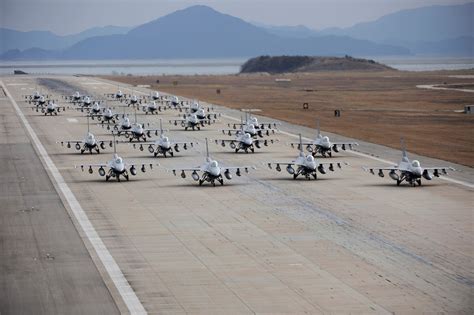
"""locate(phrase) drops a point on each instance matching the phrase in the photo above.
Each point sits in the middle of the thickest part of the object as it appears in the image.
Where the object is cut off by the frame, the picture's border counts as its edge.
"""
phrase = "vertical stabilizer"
(318, 128)
(115, 148)
(301, 144)
(404, 150)
(207, 150)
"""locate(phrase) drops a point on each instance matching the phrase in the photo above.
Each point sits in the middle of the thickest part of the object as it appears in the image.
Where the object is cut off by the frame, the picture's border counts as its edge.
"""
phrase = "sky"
(71, 16)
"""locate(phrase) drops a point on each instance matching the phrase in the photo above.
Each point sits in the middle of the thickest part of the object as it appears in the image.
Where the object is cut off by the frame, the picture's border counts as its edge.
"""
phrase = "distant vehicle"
(191, 121)
(49, 109)
(115, 168)
(151, 108)
(35, 97)
(75, 98)
(305, 165)
(260, 128)
(107, 116)
(409, 171)
(244, 141)
(118, 96)
(137, 131)
(323, 145)
(210, 171)
(164, 145)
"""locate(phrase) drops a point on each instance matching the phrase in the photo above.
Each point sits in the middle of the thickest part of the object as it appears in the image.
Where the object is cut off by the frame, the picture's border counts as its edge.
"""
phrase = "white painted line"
(16, 84)
(434, 87)
(72, 120)
(456, 181)
(126, 292)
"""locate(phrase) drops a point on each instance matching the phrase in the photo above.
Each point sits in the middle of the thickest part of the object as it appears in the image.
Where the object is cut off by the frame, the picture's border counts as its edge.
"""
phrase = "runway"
(263, 243)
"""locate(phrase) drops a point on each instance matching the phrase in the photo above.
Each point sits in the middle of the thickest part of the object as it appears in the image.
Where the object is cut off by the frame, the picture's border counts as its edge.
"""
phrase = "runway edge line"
(113, 270)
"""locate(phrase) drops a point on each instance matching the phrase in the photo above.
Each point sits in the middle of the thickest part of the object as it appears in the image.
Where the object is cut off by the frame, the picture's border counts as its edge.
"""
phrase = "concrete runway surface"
(349, 242)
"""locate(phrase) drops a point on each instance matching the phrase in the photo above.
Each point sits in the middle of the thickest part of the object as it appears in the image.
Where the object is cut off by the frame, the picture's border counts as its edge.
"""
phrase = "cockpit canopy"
(165, 139)
(325, 139)
(415, 163)
(247, 136)
(310, 159)
(118, 160)
(213, 164)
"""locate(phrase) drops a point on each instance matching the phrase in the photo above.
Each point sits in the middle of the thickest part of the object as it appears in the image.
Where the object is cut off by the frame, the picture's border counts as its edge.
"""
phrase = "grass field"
(378, 107)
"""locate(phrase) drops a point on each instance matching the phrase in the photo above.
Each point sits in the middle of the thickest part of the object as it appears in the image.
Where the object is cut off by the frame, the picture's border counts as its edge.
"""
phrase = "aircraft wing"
(380, 170)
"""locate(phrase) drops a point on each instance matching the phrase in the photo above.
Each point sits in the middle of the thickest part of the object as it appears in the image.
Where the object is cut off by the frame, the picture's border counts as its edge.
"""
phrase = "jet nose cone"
(418, 171)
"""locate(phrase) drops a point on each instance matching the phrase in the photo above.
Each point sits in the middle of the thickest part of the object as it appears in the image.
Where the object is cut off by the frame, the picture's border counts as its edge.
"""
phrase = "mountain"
(296, 31)
(11, 39)
(426, 24)
(201, 32)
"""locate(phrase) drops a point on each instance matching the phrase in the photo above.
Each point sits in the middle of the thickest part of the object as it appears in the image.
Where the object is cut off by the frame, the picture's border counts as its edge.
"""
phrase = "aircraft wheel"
(107, 177)
(330, 154)
(253, 150)
(294, 176)
(118, 178)
(398, 182)
(55, 113)
(221, 181)
(419, 182)
(155, 154)
(172, 153)
(200, 182)
(185, 128)
(126, 177)
(82, 151)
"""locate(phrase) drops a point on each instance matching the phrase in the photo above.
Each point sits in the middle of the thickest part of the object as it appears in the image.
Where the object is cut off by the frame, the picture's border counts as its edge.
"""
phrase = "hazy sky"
(71, 16)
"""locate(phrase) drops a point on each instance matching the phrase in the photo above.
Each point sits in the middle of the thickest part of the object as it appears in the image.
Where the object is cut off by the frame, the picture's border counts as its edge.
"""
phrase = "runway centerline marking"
(452, 180)
(72, 120)
(113, 270)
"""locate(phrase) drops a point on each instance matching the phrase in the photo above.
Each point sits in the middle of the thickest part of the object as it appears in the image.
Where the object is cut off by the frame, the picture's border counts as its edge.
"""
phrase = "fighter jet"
(89, 143)
(155, 96)
(151, 108)
(119, 95)
(305, 165)
(35, 96)
(324, 146)
(50, 108)
(138, 132)
(117, 167)
(164, 145)
(191, 121)
(244, 141)
(133, 100)
(252, 120)
(38, 101)
(123, 125)
(409, 171)
(211, 171)
(106, 117)
(96, 108)
(75, 98)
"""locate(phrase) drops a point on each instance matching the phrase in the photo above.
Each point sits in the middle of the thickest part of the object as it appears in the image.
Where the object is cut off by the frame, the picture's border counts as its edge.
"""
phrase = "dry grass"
(378, 107)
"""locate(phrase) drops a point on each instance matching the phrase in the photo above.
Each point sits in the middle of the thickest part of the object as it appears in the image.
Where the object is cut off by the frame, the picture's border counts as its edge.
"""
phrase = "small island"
(291, 64)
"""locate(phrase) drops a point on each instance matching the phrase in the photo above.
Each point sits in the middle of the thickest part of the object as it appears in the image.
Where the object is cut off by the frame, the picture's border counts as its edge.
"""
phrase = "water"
(135, 67)
(417, 63)
(202, 66)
